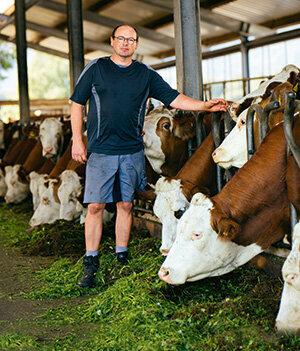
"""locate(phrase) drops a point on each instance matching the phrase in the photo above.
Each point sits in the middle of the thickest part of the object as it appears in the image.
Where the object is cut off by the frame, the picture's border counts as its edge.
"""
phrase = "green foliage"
(7, 57)
(48, 77)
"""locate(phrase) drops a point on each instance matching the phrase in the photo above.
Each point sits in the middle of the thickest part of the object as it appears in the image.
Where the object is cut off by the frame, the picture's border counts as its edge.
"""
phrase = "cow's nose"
(216, 155)
(48, 150)
(164, 251)
(164, 274)
(290, 278)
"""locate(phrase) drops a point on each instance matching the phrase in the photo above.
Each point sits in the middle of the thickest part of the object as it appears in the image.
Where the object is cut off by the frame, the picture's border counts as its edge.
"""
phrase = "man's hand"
(215, 105)
(79, 151)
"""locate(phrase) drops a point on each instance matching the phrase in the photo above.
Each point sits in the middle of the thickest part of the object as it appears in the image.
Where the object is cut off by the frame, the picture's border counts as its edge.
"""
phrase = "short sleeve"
(83, 87)
(161, 90)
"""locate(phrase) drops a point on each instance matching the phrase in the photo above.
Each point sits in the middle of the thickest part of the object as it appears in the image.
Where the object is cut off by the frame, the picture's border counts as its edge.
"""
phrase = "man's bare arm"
(184, 102)
(78, 148)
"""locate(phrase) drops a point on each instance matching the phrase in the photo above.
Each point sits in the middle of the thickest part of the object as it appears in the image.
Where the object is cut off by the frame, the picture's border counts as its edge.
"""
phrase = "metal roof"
(221, 20)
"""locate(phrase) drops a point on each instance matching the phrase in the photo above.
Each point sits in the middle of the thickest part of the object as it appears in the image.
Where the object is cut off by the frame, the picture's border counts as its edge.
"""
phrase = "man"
(117, 88)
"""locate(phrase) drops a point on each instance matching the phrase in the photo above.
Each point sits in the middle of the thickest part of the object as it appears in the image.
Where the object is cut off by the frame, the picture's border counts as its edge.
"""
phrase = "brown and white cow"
(2, 146)
(12, 162)
(288, 318)
(233, 150)
(51, 136)
(216, 235)
(17, 179)
(173, 194)
(165, 139)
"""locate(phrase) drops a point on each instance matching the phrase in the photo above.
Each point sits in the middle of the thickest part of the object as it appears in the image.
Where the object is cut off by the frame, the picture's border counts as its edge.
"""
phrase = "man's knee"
(124, 206)
(95, 208)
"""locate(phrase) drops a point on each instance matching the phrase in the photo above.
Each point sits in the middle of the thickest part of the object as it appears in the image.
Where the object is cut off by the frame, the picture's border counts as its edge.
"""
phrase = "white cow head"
(48, 209)
(37, 187)
(51, 136)
(198, 252)
(288, 319)
(233, 150)
(68, 192)
(169, 199)
(3, 187)
(17, 188)
(1, 135)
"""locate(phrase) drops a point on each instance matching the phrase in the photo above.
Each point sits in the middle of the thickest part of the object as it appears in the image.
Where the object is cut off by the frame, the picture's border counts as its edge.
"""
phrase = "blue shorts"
(114, 178)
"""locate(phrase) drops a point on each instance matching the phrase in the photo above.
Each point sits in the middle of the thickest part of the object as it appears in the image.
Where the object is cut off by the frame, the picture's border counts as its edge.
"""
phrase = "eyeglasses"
(122, 39)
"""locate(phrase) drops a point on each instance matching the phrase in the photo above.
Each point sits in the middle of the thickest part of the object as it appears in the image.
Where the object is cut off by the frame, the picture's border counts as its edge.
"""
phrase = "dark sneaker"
(122, 257)
(91, 266)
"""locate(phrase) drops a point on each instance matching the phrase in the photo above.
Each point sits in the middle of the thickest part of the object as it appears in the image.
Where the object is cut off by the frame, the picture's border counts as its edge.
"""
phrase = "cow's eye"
(166, 126)
(243, 122)
(196, 236)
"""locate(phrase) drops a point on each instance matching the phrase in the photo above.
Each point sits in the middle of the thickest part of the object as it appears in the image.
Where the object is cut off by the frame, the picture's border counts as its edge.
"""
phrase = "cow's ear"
(184, 128)
(227, 228)
(22, 175)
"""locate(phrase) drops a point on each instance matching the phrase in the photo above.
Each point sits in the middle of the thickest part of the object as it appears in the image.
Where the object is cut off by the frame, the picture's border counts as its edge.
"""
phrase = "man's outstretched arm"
(184, 102)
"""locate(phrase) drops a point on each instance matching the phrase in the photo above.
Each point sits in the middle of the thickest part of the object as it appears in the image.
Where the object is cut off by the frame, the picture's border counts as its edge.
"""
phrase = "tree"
(7, 57)
(48, 77)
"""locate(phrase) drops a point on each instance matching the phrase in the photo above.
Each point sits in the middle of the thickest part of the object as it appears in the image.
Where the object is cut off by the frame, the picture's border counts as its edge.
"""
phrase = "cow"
(173, 194)
(288, 318)
(17, 179)
(41, 188)
(233, 150)
(52, 137)
(2, 146)
(216, 235)
(288, 73)
(48, 208)
(166, 134)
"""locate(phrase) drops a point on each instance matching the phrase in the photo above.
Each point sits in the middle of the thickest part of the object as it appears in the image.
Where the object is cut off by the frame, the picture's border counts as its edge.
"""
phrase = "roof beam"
(6, 20)
(110, 22)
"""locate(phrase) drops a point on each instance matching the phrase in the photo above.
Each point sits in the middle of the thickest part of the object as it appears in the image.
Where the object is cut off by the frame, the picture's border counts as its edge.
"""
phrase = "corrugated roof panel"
(45, 17)
(95, 32)
(55, 43)
(132, 11)
(259, 11)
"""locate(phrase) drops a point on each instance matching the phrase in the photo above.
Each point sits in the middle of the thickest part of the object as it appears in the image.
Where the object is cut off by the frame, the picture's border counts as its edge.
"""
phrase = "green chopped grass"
(131, 309)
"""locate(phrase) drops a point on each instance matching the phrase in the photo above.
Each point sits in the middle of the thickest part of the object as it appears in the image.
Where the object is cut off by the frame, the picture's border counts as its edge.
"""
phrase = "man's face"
(127, 47)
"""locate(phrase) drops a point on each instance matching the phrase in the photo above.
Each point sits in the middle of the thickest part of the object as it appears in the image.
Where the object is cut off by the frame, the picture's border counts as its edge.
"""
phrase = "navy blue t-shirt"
(117, 102)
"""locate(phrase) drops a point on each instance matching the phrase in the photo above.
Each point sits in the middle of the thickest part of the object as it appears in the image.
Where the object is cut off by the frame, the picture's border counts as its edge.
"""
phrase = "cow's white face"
(169, 199)
(3, 187)
(152, 142)
(1, 135)
(51, 136)
(37, 187)
(68, 192)
(288, 319)
(198, 252)
(17, 191)
(233, 150)
(48, 209)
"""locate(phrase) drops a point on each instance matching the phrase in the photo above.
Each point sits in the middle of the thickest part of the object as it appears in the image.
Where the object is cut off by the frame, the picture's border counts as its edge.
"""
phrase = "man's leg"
(93, 226)
(93, 234)
(123, 227)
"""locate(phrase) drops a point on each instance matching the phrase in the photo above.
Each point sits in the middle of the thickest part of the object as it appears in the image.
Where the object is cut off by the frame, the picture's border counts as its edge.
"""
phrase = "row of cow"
(217, 232)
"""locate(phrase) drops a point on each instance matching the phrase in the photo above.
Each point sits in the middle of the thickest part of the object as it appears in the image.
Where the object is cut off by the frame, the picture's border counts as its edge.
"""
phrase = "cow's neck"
(258, 183)
(175, 159)
(198, 171)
